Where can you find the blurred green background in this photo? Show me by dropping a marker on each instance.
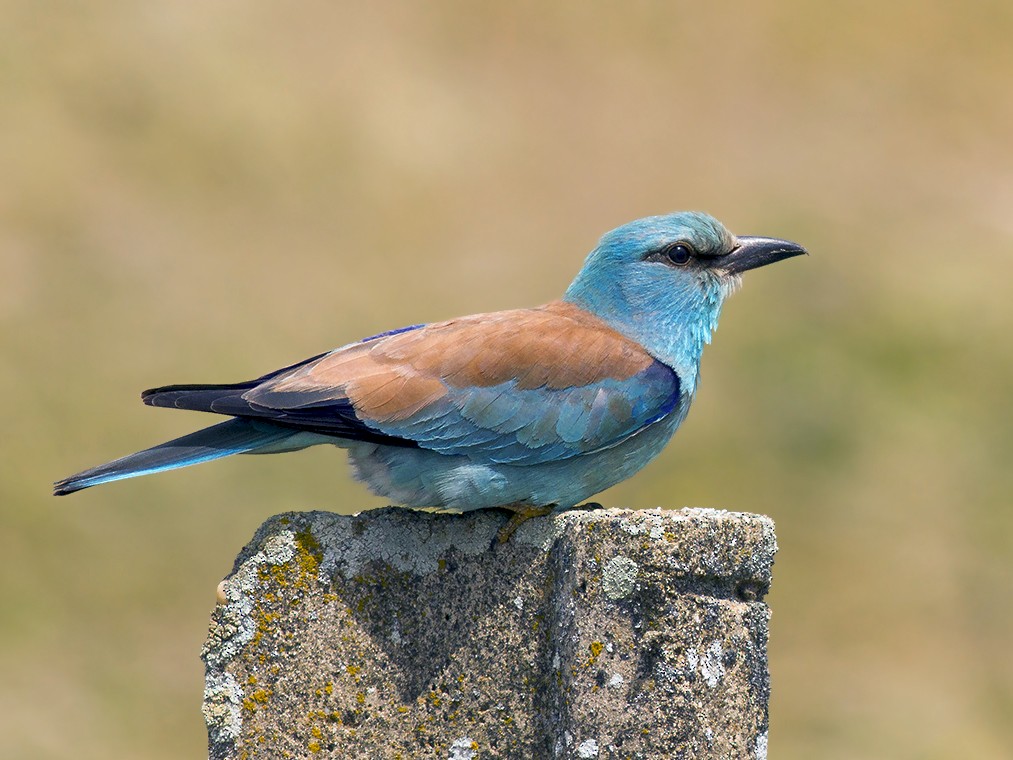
(203, 192)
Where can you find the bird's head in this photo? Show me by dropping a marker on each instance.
(662, 280)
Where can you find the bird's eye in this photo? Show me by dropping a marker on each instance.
(679, 254)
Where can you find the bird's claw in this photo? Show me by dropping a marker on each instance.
(521, 514)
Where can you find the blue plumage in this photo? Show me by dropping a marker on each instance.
(236, 436)
(503, 425)
(526, 409)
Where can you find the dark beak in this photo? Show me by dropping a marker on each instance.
(753, 252)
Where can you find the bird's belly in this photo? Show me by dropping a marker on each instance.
(421, 478)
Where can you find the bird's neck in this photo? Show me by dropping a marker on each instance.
(674, 326)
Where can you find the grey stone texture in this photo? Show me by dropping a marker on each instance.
(401, 634)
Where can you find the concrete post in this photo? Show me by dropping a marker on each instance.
(400, 634)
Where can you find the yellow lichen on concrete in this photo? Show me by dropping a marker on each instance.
(256, 698)
(373, 629)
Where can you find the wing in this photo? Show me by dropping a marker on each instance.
(515, 387)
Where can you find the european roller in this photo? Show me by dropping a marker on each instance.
(532, 410)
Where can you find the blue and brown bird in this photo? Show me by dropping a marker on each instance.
(531, 410)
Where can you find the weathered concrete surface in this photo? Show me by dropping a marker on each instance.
(399, 634)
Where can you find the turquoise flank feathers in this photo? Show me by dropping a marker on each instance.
(538, 407)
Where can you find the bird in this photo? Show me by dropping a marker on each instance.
(531, 410)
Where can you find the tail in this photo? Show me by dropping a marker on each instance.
(237, 436)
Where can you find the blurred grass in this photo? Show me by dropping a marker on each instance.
(204, 193)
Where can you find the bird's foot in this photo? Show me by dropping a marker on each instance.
(521, 514)
(590, 505)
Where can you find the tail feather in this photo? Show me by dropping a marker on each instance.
(328, 413)
(223, 398)
(236, 436)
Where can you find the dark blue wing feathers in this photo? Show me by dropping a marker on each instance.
(334, 417)
(500, 424)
